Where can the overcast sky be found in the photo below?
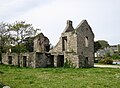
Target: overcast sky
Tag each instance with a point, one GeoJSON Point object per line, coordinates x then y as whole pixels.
{"type": "Point", "coordinates": [51, 15]}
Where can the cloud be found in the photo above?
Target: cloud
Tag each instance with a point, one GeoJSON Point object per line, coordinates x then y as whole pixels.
{"type": "Point", "coordinates": [102, 15]}
{"type": "Point", "coordinates": [15, 8]}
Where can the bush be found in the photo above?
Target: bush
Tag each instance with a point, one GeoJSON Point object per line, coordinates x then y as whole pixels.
{"type": "Point", "coordinates": [19, 48]}
{"type": "Point", "coordinates": [0, 57]}
{"type": "Point", "coordinates": [106, 61]}
{"type": "Point", "coordinates": [1, 85]}
{"type": "Point", "coordinates": [68, 64]}
{"type": "Point", "coordinates": [116, 57]}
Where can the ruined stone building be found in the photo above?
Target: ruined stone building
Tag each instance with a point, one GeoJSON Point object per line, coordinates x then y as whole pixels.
{"type": "Point", "coordinates": [75, 46]}
{"type": "Point", "coordinates": [34, 59]}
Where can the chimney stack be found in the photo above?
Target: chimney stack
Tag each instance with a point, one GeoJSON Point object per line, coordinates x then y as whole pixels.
{"type": "Point", "coordinates": [69, 22]}
{"type": "Point", "coordinates": [69, 26]}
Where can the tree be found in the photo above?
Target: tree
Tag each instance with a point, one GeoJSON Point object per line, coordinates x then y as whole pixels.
{"type": "Point", "coordinates": [20, 31]}
{"type": "Point", "coordinates": [4, 38]}
{"type": "Point", "coordinates": [18, 34]}
{"type": "Point", "coordinates": [97, 46]}
{"type": "Point", "coordinates": [103, 43]}
{"type": "Point", "coordinates": [28, 42]}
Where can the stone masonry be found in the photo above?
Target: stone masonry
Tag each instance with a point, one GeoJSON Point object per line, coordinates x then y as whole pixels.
{"type": "Point", "coordinates": [34, 59]}
{"type": "Point", "coordinates": [75, 46]}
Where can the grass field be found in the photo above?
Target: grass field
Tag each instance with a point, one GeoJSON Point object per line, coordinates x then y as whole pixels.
{"type": "Point", "coordinates": [59, 77]}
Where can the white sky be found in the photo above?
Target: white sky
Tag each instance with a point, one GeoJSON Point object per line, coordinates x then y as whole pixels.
{"type": "Point", "coordinates": [51, 15]}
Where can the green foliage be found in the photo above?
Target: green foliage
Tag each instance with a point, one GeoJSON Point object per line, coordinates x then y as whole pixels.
{"type": "Point", "coordinates": [21, 31]}
{"type": "Point", "coordinates": [68, 64]}
{"type": "Point", "coordinates": [14, 49]}
{"type": "Point", "coordinates": [107, 54]}
{"type": "Point", "coordinates": [103, 43]}
{"type": "Point", "coordinates": [16, 34]}
{"type": "Point", "coordinates": [1, 85]}
{"type": "Point", "coordinates": [29, 44]}
{"type": "Point", "coordinates": [97, 46]}
{"type": "Point", "coordinates": [115, 57]}
{"type": "Point", "coordinates": [4, 37]}
{"type": "Point", "coordinates": [0, 56]}
{"type": "Point", "coordinates": [60, 77]}
{"type": "Point", "coordinates": [19, 48]}
{"type": "Point", "coordinates": [107, 60]}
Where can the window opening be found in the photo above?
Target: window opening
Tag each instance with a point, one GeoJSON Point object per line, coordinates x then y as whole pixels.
{"type": "Point", "coordinates": [86, 41]}
{"type": "Point", "coordinates": [64, 43]}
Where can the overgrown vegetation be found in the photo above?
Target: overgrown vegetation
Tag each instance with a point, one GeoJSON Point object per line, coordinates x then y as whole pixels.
{"type": "Point", "coordinates": [59, 77]}
{"type": "Point", "coordinates": [115, 57]}
{"type": "Point", "coordinates": [1, 85]}
{"type": "Point", "coordinates": [107, 60]}
{"type": "Point", "coordinates": [68, 64]}
{"type": "Point", "coordinates": [16, 37]}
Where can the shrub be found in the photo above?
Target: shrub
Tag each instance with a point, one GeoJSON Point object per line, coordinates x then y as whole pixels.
{"type": "Point", "coordinates": [106, 61]}
{"type": "Point", "coordinates": [116, 57]}
{"type": "Point", "coordinates": [1, 85]}
{"type": "Point", "coordinates": [68, 64]}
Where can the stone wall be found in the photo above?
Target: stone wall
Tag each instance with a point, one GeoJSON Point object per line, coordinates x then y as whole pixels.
{"type": "Point", "coordinates": [83, 31]}
{"type": "Point", "coordinates": [77, 45]}
{"type": "Point", "coordinates": [8, 58]}
{"type": "Point", "coordinates": [41, 60]}
{"type": "Point", "coordinates": [68, 40]}
{"type": "Point", "coordinates": [32, 59]}
{"type": "Point", "coordinates": [41, 43]}
{"type": "Point", "coordinates": [73, 58]}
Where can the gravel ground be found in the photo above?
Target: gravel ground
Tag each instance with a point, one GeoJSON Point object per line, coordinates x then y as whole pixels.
{"type": "Point", "coordinates": [107, 66]}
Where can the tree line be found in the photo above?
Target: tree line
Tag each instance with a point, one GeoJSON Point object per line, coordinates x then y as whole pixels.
{"type": "Point", "coordinates": [100, 44]}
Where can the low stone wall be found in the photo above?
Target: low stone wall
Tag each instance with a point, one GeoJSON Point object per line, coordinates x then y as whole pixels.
{"type": "Point", "coordinates": [10, 58]}
{"type": "Point", "coordinates": [32, 59]}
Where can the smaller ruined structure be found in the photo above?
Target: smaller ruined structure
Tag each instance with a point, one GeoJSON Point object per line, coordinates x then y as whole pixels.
{"type": "Point", "coordinates": [34, 59]}
{"type": "Point", "coordinates": [75, 48]}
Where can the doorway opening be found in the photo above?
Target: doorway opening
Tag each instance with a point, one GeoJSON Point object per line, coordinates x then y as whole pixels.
{"type": "Point", "coordinates": [86, 61]}
{"type": "Point", "coordinates": [60, 62]}
{"type": "Point", "coordinates": [24, 61]}
{"type": "Point", "coordinates": [9, 59]}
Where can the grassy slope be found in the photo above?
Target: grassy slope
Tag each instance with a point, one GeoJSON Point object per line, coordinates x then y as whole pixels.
{"type": "Point", "coordinates": [59, 77]}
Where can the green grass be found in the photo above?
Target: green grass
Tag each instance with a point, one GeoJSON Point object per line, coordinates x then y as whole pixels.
{"type": "Point", "coordinates": [59, 77]}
